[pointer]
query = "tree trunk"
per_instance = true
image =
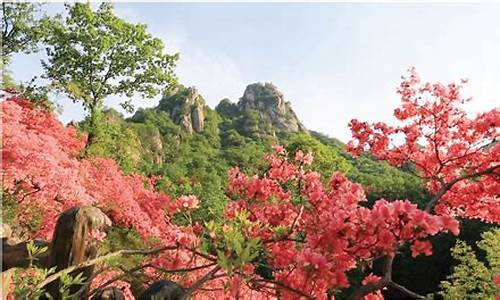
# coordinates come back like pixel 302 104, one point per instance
pixel 95 119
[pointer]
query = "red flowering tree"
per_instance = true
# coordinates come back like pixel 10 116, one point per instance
pixel 42 171
pixel 457 155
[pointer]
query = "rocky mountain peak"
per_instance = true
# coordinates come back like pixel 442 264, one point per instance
pixel 267 99
pixel 186 107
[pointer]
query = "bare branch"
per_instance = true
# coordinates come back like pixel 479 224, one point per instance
pixel 96 260
pixel 209 276
pixel 405 291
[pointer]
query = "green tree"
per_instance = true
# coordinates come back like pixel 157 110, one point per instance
pixel 93 54
pixel 117 141
pixel 326 158
pixel 21 31
pixel 473 278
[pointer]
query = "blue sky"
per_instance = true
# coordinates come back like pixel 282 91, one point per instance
pixel 333 61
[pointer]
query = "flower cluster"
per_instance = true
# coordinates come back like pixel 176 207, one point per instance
pixel 314 233
pixel 452 151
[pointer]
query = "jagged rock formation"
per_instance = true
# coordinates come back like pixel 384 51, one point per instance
pixel 186 108
pixel 261 112
pixel 150 141
pixel 266 98
pixel 70 246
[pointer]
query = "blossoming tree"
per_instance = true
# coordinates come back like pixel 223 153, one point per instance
pixel 457 155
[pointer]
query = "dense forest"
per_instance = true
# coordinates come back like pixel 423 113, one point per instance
pixel 240 201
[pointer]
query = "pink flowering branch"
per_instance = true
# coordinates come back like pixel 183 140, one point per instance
pixel 447 186
pixel 386 281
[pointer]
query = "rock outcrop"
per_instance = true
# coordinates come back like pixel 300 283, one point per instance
pixel 267 99
pixel 186 108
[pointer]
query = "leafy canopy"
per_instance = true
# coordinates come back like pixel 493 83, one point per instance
pixel 94 54
pixel 21 29
pixel 472 277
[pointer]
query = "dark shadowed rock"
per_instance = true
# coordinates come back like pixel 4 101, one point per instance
pixel 109 294
pixel 164 290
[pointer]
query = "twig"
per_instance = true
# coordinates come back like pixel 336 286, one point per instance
pixel 89 281
pixel 118 277
pixel 287 287
pixel 210 275
pixel 96 260
pixel 182 269
pixel 404 290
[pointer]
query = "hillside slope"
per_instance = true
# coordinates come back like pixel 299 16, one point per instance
pixel 190 146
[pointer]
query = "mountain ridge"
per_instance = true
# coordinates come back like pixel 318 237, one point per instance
pixel 261 111
pixel 192 145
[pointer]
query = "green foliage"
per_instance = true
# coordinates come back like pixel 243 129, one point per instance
pixel 25 280
pixel 226 108
pixel 94 54
pixel 473 278
pixel 34 251
pixel 10 209
pixel 327 160
pixel 67 282
pixel 253 124
pixel 118 238
pixel 233 248
pixel 21 28
pixel 491 245
pixel 114 139
pixel 7 80
pixel 187 163
pixel 10 215
pixel 384 181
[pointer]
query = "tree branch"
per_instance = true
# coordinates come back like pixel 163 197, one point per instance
pixel 291 289
pixel 96 260
pixel 118 277
pixel 447 186
pixel 375 286
pixel 405 291
pixel 210 275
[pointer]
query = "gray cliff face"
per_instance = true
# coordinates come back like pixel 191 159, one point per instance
pixel 267 99
pixel 151 144
pixel 186 108
pixel 198 118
